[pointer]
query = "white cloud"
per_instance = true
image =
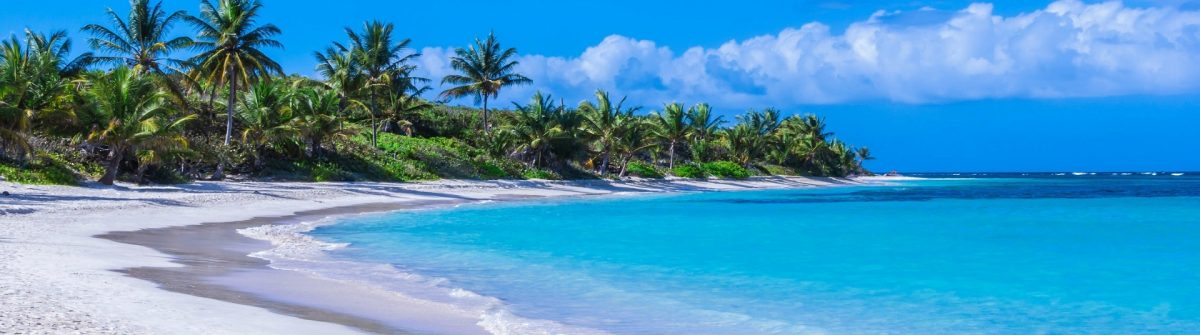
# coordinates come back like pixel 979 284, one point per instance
pixel 1068 49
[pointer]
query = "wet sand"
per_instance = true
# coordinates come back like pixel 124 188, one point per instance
pixel 213 254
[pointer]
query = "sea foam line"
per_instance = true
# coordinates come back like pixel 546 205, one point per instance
pixel 293 250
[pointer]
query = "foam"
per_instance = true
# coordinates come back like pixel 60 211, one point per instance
pixel 293 250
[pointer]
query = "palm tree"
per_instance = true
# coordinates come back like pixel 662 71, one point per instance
pixel 381 60
pixel 342 74
pixel 134 115
pixel 864 155
pixel 317 117
pixel 746 143
pixel 398 109
pixel 704 128
pixel 636 137
pixel 34 75
pixel 232 46
pixel 266 117
pixel 141 42
pixel 484 69
pixel 604 122
pixel 671 127
pixel 539 127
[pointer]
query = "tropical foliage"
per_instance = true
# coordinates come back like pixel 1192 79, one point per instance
pixel 159 101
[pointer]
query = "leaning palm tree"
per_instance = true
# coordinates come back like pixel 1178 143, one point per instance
pixel 141 41
pixel 484 68
pixel 671 127
pixel 604 122
pixel 636 136
pixel 231 45
pixel 864 155
pixel 382 61
pixel 134 115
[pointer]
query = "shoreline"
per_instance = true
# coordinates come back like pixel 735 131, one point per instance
pixel 177 282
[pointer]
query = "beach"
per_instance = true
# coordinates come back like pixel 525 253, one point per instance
pixel 62 269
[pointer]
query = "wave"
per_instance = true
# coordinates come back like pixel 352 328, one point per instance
pixel 293 250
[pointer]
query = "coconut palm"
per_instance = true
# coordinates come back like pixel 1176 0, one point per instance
pixel 484 69
pixel 746 142
pixel 637 136
pixel 141 41
pixel 135 116
pixel 317 117
pixel 399 109
pixel 864 155
pixel 604 122
pixel 231 44
pixel 266 117
pixel 671 127
pixel 34 75
pixel 540 128
pixel 705 128
pixel 342 74
pixel 382 61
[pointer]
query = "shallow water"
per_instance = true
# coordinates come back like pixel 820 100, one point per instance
pixel 1035 254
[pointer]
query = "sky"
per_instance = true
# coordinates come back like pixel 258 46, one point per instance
pixel 929 86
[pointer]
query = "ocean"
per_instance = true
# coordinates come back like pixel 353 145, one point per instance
pixel 950 254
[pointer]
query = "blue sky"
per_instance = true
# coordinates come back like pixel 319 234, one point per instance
pixel 928 85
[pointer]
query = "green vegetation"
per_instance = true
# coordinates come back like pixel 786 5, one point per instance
pixel 639 169
pixel 688 171
pixel 725 169
pixel 160 101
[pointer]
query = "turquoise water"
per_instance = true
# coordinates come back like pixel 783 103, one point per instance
pixel 1046 255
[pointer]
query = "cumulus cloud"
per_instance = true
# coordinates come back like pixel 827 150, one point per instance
pixel 1067 49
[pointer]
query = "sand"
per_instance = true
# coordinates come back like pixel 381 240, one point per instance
pixel 63 271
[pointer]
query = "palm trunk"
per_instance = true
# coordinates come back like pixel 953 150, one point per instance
pixel 374 123
pixel 314 146
pixel 487 128
pixel 671 161
pixel 114 164
pixel 624 166
pixel 230 104
pixel 604 163
pixel 141 173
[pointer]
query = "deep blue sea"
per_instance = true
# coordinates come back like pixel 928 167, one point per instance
pixel 988 254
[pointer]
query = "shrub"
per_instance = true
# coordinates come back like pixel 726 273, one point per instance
pixel 539 174
pixel 639 169
pixel 688 171
pixel 725 169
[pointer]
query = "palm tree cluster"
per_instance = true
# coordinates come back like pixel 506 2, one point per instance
pixel 606 135
pixel 200 105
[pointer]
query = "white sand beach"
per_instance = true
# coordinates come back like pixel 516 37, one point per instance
pixel 56 277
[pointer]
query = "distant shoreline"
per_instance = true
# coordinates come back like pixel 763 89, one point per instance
pixel 90 277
